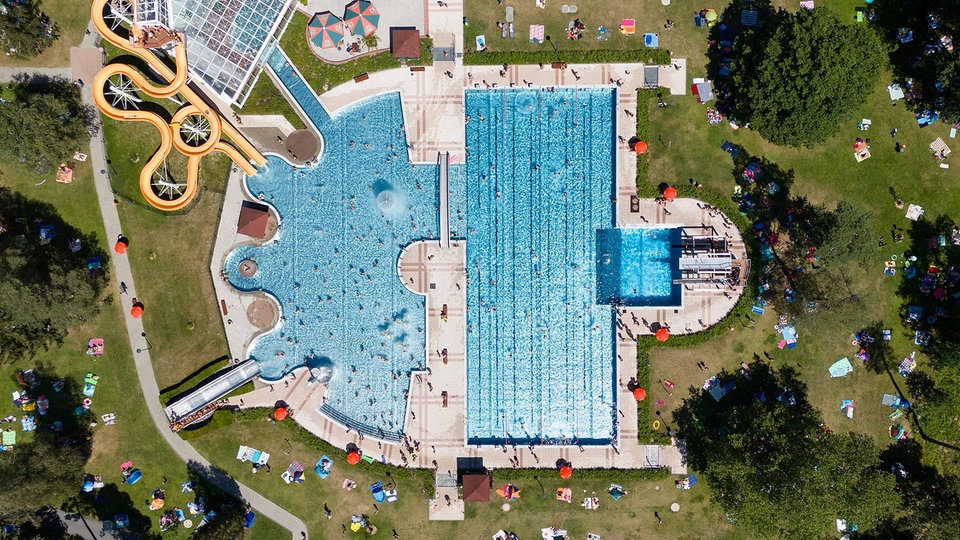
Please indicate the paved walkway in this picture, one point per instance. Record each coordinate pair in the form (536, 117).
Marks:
(145, 374)
(84, 527)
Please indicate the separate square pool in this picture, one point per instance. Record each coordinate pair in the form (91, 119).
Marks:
(637, 267)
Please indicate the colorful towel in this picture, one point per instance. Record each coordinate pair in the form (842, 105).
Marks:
(841, 368)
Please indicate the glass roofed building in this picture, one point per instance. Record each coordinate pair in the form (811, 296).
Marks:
(225, 39)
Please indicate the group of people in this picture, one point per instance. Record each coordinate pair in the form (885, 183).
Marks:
(575, 32)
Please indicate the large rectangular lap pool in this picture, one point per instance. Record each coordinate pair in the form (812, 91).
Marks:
(540, 358)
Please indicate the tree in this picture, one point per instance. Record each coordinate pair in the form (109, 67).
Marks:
(775, 470)
(798, 75)
(25, 31)
(45, 123)
(45, 288)
(42, 471)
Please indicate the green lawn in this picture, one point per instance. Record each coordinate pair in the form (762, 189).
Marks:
(134, 436)
(265, 98)
(687, 147)
(170, 253)
(72, 17)
(631, 517)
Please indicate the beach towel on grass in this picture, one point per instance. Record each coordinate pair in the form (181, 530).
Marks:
(841, 368)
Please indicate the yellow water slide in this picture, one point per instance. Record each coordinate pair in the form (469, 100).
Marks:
(170, 134)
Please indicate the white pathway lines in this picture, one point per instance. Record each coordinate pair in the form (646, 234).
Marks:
(145, 374)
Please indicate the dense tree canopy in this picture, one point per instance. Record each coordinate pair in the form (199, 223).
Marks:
(25, 30)
(44, 124)
(798, 75)
(772, 466)
(45, 287)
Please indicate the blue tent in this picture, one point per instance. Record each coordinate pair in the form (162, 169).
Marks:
(134, 476)
(376, 489)
(248, 519)
(652, 41)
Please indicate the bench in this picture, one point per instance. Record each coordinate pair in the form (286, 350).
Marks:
(361, 78)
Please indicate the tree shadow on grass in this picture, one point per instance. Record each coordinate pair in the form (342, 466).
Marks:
(220, 493)
(108, 502)
(49, 285)
(937, 267)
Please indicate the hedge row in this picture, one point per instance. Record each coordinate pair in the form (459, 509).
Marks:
(501, 476)
(496, 58)
(728, 206)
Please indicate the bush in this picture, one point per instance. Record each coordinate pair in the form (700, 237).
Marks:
(502, 476)
(492, 58)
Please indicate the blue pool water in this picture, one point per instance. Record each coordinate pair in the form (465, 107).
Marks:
(333, 266)
(637, 266)
(539, 185)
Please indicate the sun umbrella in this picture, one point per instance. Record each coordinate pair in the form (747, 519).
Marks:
(361, 18)
(710, 15)
(566, 472)
(669, 194)
(640, 394)
(640, 147)
(280, 413)
(326, 30)
(353, 458)
(137, 311)
(662, 334)
(120, 247)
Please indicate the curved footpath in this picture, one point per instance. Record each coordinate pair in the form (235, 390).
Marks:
(145, 374)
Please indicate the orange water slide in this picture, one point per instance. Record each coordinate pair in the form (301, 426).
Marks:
(169, 132)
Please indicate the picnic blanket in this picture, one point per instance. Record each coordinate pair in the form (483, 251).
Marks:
(895, 91)
(28, 422)
(908, 365)
(841, 368)
(895, 401)
(245, 453)
(536, 33)
(323, 467)
(847, 407)
(294, 473)
(9, 438)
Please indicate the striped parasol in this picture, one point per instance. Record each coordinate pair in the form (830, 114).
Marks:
(325, 30)
(361, 18)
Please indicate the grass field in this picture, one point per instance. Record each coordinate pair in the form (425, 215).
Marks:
(170, 253)
(134, 436)
(630, 517)
(71, 17)
(687, 147)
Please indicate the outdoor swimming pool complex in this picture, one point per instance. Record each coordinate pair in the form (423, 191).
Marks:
(540, 358)
(536, 195)
(333, 265)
